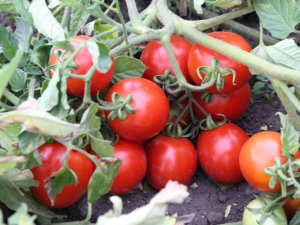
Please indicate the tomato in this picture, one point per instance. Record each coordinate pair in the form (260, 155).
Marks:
(176, 110)
(291, 206)
(155, 58)
(170, 158)
(202, 56)
(250, 218)
(218, 152)
(151, 105)
(259, 153)
(133, 167)
(233, 105)
(52, 154)
(83, 61)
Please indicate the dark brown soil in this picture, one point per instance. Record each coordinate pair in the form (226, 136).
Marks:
(207, 201)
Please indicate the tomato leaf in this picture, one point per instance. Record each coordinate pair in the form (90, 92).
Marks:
(41, 16)
(102, 179)
(21, 216)
(8, 70)
(23, 33)
(289, 137)
(225, 4)
(40, 54)
(63, 177)
(8, 43)
(9, 135)
(198, 6)
(127, 67)
(278, 17)
(9, 162)
(97, 27)
(21, 8)
(100, 56)
(18, 80)
(29, 141)
(78, 20)
(8, 6)
(296, 218)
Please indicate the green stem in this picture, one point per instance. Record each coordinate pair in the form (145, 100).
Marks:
(240, 28)
(65, 22)
(32, 86)
(286, 102)
(6, 108)
(292, 98)
(58, 10)
(11, 97)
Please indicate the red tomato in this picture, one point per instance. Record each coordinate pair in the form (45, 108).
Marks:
(133, 167)
(259, 153)
(170, 158)
(233, 105)
(202, 56)
(218, 152)
(52, 155)
(178, 108)
(291, 207)
(155, 57)
(84, 62)
(151, 105)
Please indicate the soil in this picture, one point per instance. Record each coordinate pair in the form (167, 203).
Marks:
(206, 200)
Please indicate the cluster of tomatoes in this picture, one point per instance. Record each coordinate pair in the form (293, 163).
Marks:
(225, 152)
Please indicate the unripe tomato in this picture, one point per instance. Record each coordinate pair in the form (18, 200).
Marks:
(83, 61)
(52, 154)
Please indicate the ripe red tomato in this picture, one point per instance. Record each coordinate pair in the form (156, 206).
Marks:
(133, 167)
(170, 158)
(202, 56)
(177, 108)
(291, 206)
(83, 60)
(151, 105)
(218, 152)
(259, 153)
(233, 105)
(155, 58)
(52, 155)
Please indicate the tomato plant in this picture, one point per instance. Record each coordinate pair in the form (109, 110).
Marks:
(218, 152)
(200, 55)
(133, 167)
(155, 57)
(259, 153)
(232, 105)
(52, 154)
(151, 109)
(249, 218)
(170, 158)
(83, 61)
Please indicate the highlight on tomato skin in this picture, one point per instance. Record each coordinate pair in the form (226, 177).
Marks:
(84, 62)
(52, 154)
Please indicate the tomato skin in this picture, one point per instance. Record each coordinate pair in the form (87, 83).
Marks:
(155, 57)
(202, 56)
(291, 206)
(170, 158)
(52, 154)
(233, 105)
(133, 167)
(151, 105)
(218, 152)
(259, 153)
(251, 219)
(84, 62)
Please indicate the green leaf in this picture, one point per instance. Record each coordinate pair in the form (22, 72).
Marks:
(198, 6)
(54, 99)
(8, 70)
(21, 178)
(45, 22)
(10, 162)
(32, 69)
(102, 180)
(8, 6)
(29, 141)
(40, 55)
(100, 56)
(9, 136)
(21, 8)
(21, 216)
(8, 43)
(225, 4)
(296, 218)
(127, 67)
(289, 137)
(278, 17)
(23, 33)
(78, 20)
(18, 80)
(58, 181)
(97, 27)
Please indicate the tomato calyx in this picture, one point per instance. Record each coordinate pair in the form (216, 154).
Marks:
(210, 124)
(119, 107)
(216, 73)
(267, 210)
(168, 82)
